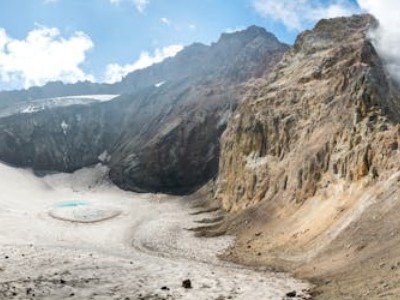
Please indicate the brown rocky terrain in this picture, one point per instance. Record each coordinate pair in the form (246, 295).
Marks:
(309, 167)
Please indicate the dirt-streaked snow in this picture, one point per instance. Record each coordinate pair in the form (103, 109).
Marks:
(36, 105)
(40, 104)
(129, 255)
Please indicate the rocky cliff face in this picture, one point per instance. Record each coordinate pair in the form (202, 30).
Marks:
(162, 134)
(327, 113)
(309, 162)
(61, 138)
(178, 149)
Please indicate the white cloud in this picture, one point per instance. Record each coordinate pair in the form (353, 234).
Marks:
(116, 72)
(139, 4)
(42, 56)
(296, 15)
(387, 37)
(165, 20)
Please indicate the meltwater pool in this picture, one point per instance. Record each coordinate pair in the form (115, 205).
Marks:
(72, 203)
(80, 211)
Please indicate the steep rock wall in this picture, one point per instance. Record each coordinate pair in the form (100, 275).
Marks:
(60, 139)
(327, 113)
(309, 167)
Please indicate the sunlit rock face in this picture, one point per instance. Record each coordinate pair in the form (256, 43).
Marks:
(161, 134)
(327, 114)
(309, 167)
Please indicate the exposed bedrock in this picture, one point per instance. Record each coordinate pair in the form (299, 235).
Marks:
(310, 159)
(59, 139)
(327, 113)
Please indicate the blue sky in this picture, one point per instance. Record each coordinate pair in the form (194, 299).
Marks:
(93, 36)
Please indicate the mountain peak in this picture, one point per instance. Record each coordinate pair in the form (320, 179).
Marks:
(335, 31)
(346, 25)
(247, 35)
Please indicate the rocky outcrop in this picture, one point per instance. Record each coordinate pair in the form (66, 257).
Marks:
(60, 139)
(178, 149)
(327, 113)
(162, 134)
(309, 167)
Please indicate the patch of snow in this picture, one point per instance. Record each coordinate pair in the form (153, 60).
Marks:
(64, 127)
(29, 109)
(101, 98)
(157, 85)
(41, 104)
(104, 157)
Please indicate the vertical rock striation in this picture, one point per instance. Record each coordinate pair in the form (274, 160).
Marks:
(309, 167)
(328, 113)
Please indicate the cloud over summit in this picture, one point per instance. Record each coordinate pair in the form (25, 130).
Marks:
(387, 37)
(296, 15)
